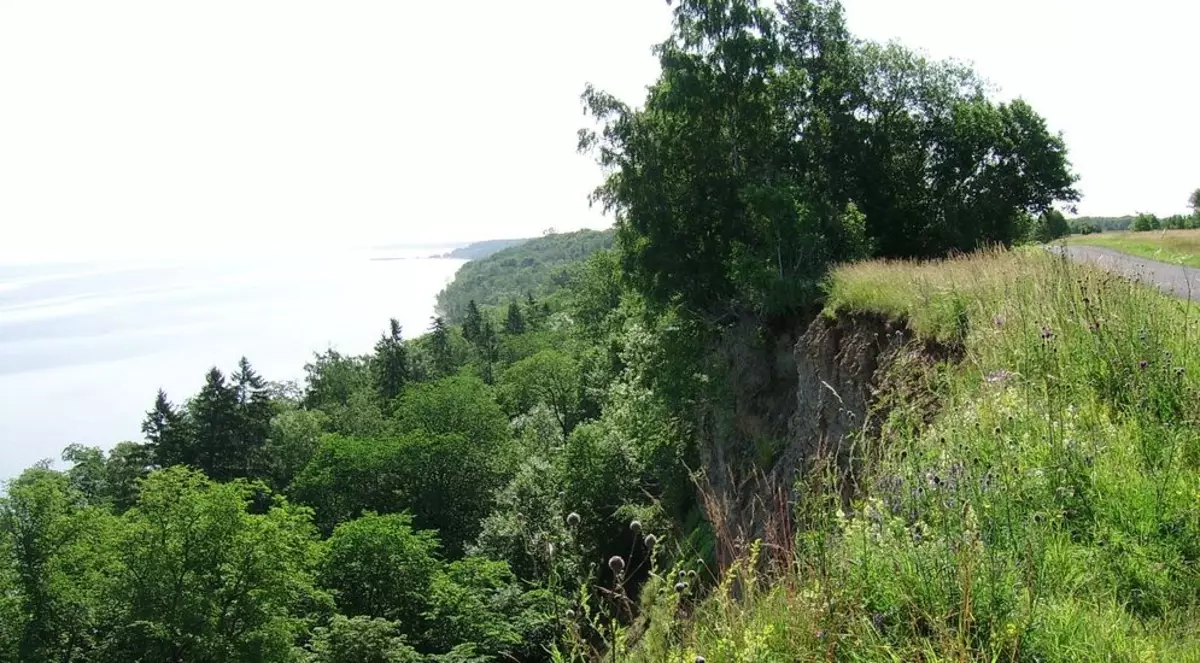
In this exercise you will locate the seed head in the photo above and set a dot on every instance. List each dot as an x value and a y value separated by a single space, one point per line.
699 659
573 519
570 614
680 586
651 540
636 526
616 564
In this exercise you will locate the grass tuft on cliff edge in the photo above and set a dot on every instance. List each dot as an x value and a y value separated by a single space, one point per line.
1049 512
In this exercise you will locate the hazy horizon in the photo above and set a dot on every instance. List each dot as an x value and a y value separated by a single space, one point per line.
135 128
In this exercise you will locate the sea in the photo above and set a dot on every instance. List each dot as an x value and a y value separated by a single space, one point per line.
85 346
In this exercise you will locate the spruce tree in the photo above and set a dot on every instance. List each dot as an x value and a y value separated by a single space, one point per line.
514 323
167 433
254 417
216 418
489 348
473 323
391 363
443 360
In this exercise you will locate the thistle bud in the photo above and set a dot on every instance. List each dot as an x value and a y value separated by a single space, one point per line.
573 519
616 564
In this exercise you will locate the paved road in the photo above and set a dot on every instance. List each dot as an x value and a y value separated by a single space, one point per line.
1175 279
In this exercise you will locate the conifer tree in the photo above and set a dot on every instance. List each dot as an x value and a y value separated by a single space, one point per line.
514 323
473 323
391 363
217 450
167 433
443 360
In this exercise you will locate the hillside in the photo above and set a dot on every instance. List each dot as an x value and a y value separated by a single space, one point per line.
539 267
1028 495
483 249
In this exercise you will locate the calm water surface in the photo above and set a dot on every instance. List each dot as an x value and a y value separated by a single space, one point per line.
84 347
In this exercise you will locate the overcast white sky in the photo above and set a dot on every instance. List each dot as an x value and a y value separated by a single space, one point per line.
130 126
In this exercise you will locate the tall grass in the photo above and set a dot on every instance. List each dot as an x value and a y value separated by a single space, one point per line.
1050 511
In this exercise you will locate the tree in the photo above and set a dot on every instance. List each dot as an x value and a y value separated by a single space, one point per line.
59 553
514 321
454 406
332 378
202 579
1194 202
391 370
217 447
108 481
548 377
1145 222
167 432
1051 226
446 482
378 566
294 438
443 356
774 144
472 325
254 416
360 640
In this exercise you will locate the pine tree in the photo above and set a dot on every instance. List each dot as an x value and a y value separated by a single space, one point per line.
489 347
254 417
215 414
167 433
533 313
473 324
514 323
391 363
443 360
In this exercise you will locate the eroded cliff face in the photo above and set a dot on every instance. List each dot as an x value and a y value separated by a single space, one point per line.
805 404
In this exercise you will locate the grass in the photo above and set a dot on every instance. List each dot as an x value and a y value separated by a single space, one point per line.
1049 512
1180 247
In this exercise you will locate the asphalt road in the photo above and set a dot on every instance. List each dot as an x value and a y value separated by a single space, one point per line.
1175 279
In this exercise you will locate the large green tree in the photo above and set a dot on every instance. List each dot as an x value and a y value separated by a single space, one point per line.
774 144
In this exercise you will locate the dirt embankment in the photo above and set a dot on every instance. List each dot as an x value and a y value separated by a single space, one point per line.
801 405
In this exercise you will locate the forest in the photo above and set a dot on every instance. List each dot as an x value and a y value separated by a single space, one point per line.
540 475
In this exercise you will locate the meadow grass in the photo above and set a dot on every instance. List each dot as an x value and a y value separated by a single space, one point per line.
1049 512
1178 247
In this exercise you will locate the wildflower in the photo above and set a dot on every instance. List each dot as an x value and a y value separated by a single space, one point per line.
998 321
877 621
699 658
636 527
570 614
1143 364
651 540
691 573
573 519
680 586
1047 334
997 376
682 574
1179 370
616 564
820 635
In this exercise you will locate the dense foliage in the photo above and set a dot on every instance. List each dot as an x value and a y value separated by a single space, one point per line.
527 480
775 144
538 268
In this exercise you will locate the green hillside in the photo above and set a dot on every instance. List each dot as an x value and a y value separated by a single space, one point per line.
539 267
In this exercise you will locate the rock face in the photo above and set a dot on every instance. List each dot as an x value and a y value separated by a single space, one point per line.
804 405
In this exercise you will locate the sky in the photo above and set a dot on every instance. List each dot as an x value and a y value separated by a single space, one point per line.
147 127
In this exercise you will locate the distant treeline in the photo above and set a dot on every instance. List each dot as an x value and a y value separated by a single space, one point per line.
535 267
